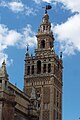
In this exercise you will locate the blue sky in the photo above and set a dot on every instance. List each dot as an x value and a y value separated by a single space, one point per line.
19 22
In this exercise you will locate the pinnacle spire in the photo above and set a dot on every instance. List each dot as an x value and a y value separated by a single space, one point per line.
60 55
27 54
3 71
3 63
27 47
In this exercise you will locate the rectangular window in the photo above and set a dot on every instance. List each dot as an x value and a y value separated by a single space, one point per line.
32 69
44 68
28 70
49 68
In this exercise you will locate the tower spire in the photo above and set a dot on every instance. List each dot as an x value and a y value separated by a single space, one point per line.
60 55
3 71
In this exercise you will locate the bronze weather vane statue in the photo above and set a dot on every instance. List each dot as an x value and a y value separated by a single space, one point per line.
47 7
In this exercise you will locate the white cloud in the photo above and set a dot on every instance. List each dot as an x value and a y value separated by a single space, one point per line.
18 6
71 4
68 34
40 1
28 36
37 1
49 1
14 38
8 37
29 11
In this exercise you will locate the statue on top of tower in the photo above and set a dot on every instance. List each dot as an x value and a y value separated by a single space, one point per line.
47 7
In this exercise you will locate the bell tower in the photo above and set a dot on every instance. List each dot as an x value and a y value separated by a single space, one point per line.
45 39
44 72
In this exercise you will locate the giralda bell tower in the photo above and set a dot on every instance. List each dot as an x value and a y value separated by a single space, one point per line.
44 72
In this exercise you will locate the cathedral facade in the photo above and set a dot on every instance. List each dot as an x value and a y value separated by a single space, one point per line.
41 98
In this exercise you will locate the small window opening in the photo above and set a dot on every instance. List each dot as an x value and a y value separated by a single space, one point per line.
51 44
43 44
32 69
44 68
38 67
28 70
38 105
49 68
43 28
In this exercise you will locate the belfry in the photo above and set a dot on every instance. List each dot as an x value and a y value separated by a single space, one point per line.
43 71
